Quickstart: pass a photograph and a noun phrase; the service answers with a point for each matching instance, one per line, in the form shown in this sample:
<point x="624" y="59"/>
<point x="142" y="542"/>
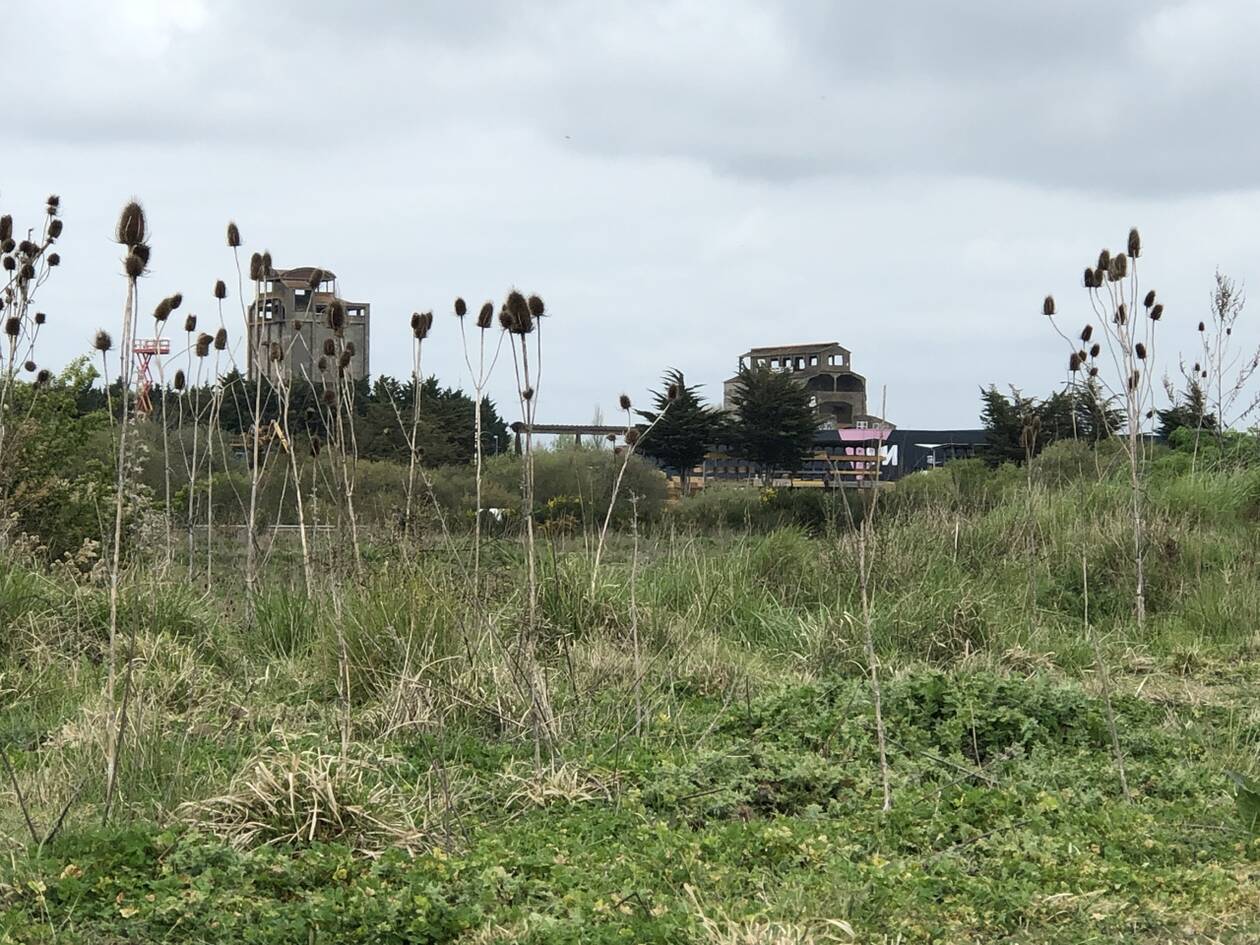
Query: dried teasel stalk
<point x="233" y="235"/>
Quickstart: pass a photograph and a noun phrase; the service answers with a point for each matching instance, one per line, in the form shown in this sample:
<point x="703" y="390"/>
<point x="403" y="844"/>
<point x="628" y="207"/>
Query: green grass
<point x="721" y="784"/>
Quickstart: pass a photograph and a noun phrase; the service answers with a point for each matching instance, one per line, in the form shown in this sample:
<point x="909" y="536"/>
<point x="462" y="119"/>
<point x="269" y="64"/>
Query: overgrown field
<point x="365" y="766"/>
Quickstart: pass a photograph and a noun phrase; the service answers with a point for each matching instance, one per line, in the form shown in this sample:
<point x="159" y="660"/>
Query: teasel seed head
<point x="1100" y="276"/>
<point x="190" y="324"/>
<point x="180" y="381"/>
<point x="220" y="339"/>
<point x="1150" y="299"/>
<point x="343" y="362"/>
<point x="220" y="289"/>
<point x="521" y="320"/>
<point x="1104" y="260"/>
<point x="1140" y="350"/>
<point x="1204" y="375"/>
<point x="1134" y="378"/>
<point x="7" y="245"/>
<point x="102" y="342"/>
<point x="276" y="353"/>
<point x="485" y="318"/>
<point x="461" y="309"/>
<point x="1197" y="369"/>
<point x="1157" y="312"/>
<point x="54" y="260"/>
<point x="1095" y="350"/>
<point x="350" y="349"/>
<point x="30" y="367"/>
<point x="132" y="228"/>
<point x="6" y="227"/>
<point x="55" y="228"/>
<point x="43" y="377"/>
<point x="330" y="347"/>
<point x="40" y="318"/>
<point x="415" y="320"/>
<point x="611" y="438"/>
<point x="527" y="394"/>
<point x="322" y="364"/>
<point x="163" y="310"/>
<point x="624" y="401"/>
<point x="233" y="235"/>
<point x="1149" y="414"/>
<point x="536" y="306"/>
<point x="10" y="263"/>
<point x="256" y="273"/>
<point x="1122" y="314"/>
<point x="1202" y="326"/>
<point x="1087" y="332"/>
<point x="1047" y="307"/>
<point x="134" y="265"/>
<point x="1083" y="355"/>
<point x="1119" y="267"/>
<point x="27" y="272"/>
<point x="1229" y="330"/>
<point x="1135" y="243"/>
<point x="202" y="348"/>
<point x="27" y="248"/>
<point x="53" y="201"/>
<point x="1093" y="372"/>
<point x="316" y="445"/>
<point x="315" y="278"/>
<point x="336" y="316"/>
<point x="13" y="326"/>
<point x="266" y="261"/>
<point x="632" y="436"/>
<point x="1074" y="362"/>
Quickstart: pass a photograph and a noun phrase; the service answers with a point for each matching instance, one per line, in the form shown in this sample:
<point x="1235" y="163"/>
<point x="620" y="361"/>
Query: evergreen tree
<point x="1004" y="419"/>
<point x="682" y="436"/>
<point x="774" y="421"/>
<point x="1189" y="411"/>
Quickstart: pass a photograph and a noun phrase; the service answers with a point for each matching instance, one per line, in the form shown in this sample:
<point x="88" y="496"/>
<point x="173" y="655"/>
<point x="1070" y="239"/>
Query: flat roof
<point x="794" y="349"/>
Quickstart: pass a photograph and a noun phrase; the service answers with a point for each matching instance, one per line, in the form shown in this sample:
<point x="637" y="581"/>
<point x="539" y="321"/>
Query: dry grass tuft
<point x="300" y="796"/>
<point x="562" y="784"/>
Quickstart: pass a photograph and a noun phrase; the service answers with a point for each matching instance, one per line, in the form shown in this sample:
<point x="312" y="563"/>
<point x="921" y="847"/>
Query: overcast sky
<point x="680" y="180"/>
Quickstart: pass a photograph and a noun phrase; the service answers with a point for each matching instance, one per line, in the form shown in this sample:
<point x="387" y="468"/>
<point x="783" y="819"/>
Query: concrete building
<point x="839" y="393"/>
<point x="291" y="311"/>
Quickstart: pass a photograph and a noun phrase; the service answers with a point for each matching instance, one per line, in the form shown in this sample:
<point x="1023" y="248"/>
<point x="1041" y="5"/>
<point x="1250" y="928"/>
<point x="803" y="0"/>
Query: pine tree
<point x="1190" y="412"/>
<point x="684" y="433"/>
<point x="774" y="421"/>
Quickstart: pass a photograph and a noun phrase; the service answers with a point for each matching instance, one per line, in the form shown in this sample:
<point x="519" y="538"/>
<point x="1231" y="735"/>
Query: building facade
<point x="291" y="314"/>
<point x="838" y="392"/>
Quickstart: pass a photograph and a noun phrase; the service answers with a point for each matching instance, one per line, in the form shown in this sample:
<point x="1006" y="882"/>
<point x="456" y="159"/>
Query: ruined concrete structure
<point x="839" y="393"/>
<point x="291" y="312"/>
